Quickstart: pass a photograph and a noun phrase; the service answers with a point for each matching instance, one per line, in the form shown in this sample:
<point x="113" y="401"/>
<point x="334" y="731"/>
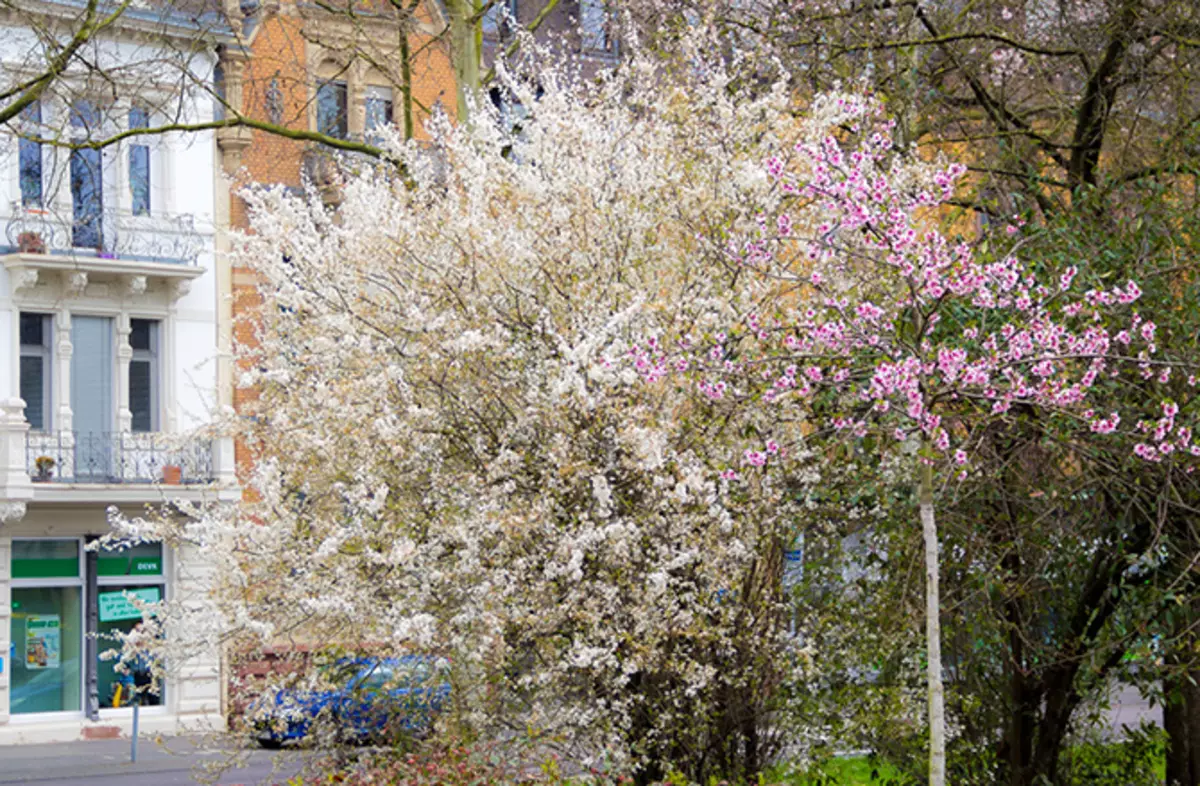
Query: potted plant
<point x="45" y="466"/>
<point x="172" y="474"/>
<point x="31" y="243"/>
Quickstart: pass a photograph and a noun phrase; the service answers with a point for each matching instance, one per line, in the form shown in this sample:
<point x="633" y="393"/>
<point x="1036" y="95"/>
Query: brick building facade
<point x="303" y="69"/>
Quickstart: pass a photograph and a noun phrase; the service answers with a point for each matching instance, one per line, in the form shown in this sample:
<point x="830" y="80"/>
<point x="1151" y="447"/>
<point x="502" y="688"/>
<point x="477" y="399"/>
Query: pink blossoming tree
<point x="900" y="335"/>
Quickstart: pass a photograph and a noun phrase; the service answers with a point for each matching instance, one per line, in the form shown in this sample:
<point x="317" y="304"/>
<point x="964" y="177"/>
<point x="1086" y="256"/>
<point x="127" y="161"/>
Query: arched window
<point x="331" y="101"/>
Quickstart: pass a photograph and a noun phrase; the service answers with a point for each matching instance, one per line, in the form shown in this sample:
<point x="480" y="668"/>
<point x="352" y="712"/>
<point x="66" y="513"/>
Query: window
<point x="331" y="109"/>
<point x="35" y="369"/>
<point x="595" y="26"/>
<point x="87" y="184"/>
<point x="218" y="87"/>
<point x="49" y="625"/>
<point x="139" y="165"/>
<point x="379" y="110"/>
<point x="92" y="398"/>
<point x="122" y="575"/>
<point x="30" y="155"/>
<point x="143" y="374"/>
<point x="46" y="626"/>
<point x="498" y="19"/>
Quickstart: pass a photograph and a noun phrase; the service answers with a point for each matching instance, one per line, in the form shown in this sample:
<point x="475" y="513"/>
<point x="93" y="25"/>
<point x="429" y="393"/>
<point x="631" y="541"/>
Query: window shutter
<point x="91" y="374"/>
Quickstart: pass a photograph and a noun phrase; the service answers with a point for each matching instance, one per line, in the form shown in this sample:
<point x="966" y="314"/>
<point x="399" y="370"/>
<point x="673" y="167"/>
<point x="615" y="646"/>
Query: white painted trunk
<point x="933" y="634"/>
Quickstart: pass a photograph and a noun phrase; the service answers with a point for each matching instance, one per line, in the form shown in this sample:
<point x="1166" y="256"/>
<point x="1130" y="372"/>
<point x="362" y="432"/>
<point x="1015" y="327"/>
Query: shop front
<point x="70" y="605"/>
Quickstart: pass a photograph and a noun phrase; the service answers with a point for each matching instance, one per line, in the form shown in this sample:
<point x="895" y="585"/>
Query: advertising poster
<point x="116" y="606"/>
<point x="43" y="641"/>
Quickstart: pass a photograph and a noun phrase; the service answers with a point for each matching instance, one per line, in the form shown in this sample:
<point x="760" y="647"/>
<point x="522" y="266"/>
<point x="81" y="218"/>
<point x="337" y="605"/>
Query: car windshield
<point x="340" y="674"/>
<point x="393" y="675"/>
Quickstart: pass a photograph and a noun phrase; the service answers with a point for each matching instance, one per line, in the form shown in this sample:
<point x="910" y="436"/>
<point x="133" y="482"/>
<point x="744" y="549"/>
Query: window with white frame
<point x="30" y="155"/>
<point x="379" y="109"/>
<point x="87" y="178"/>
<point x="144" y="374"/>
<point x="36" y="332"/>
<point x="332" y="117"/>
<point x="139" y="164"/>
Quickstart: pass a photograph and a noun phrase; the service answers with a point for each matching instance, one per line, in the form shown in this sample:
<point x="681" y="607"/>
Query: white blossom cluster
<point x="452" y="453"/>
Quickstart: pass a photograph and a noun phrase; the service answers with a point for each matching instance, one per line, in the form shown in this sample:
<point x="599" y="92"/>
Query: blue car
<point x="368" y="699"/>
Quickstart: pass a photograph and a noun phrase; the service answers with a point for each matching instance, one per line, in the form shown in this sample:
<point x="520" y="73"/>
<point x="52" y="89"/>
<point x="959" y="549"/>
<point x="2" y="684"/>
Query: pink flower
<point x="960" y="457"/>
<point x="1146" y="452"/>
<point x="755" y="458"/>
<point x="1132" y="292"/>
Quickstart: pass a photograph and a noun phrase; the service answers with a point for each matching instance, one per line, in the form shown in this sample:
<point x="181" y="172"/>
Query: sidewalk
<point x="84" y="761"/>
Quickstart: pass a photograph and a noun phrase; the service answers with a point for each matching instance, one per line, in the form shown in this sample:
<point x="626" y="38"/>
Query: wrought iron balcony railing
<point x="108" y="234"/>
<point x="91" y="457"/>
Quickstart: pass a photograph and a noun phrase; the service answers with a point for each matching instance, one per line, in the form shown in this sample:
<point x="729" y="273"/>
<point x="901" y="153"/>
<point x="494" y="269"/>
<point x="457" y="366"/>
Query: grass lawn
<point x="849" y="771"/>
<point x="1085" y="765"/>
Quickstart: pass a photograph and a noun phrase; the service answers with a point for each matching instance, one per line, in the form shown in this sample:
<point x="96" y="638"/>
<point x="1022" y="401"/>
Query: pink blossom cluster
<point x="881" y="340"/>
<point x="650" y="361"/>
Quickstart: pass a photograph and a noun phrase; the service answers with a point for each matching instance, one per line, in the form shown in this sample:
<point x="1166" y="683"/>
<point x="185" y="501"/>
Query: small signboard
<point x="115" y="606"/>
<point x="43" y="641"/>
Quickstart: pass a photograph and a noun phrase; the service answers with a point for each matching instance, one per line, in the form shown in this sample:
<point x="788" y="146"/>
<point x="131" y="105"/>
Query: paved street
<point x="183" y="761"/>
<point x="174" y="762"/>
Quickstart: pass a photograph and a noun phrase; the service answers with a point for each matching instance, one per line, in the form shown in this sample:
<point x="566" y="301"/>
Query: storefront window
<point x="125" y="577"/>
<point x="46" y="627"/>
<point x="119" y="616"/>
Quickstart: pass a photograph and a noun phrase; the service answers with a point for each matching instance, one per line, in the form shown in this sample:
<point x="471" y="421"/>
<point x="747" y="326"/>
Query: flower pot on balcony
<point x="45" y="469"/>
<point x="31" y="243"/>
<point x="172" y="474"/>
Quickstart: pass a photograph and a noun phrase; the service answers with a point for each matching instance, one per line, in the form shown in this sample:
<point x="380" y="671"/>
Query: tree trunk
<point x="933" y="632"/>
<point x="464" y="43"/>
<point x="1024" y="699"/>
<point x="1181" y="720"/>
<point x="1061" y="701"/>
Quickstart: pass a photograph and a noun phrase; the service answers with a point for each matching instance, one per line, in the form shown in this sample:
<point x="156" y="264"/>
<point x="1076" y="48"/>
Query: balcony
<point x="108" y="458"/>
<point x="107" y="469"/>
<point x="136" y="253"/>
<point x="109" y="234"/>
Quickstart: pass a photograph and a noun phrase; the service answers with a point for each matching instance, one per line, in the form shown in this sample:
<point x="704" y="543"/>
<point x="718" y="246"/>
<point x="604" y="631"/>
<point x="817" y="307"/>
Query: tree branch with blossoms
<point x="908" y="336"/>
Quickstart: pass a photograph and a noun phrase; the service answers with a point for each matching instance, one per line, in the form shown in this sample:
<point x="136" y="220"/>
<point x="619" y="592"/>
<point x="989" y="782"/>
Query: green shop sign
<point x="116" y="606"/>
<point x="129" y="565"/>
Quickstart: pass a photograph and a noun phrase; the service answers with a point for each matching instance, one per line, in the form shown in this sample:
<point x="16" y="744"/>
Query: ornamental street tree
<point x="903" y="336"/>
<point x="1079" y="118"/>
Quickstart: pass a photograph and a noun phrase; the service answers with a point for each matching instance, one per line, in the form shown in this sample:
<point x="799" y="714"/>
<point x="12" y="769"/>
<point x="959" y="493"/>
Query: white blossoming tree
<point x="455" y="455"/>
<point x="470" y="443"/>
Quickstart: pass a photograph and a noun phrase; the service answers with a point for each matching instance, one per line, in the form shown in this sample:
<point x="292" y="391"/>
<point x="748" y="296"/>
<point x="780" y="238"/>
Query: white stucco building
<point x="113" y="341"/>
